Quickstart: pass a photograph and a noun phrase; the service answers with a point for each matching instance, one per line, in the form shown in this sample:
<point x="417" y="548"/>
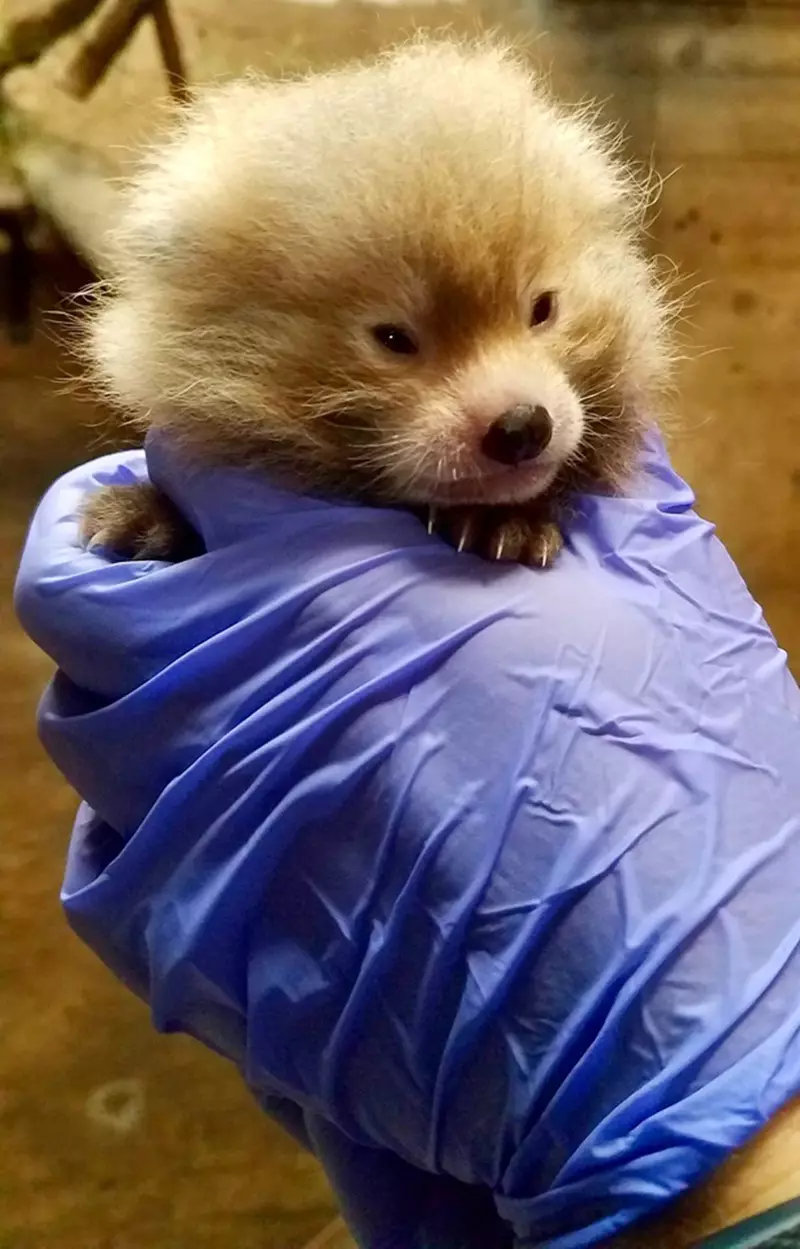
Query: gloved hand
<point x="483" y="877"/>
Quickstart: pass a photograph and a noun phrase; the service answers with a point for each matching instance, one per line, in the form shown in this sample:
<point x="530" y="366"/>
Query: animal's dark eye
<point x="543" y="308"/>
<point x="395" y="339"/>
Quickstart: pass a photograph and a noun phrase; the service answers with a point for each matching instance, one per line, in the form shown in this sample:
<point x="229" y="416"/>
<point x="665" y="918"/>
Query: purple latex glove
<point x="486" y="877"/>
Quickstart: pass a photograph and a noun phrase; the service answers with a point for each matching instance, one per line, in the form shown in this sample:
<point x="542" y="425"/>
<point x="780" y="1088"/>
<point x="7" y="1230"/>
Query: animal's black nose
<point x="520" y="434"/>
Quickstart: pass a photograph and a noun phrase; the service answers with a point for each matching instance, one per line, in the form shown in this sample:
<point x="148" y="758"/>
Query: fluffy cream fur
<point x="439" y="188"/>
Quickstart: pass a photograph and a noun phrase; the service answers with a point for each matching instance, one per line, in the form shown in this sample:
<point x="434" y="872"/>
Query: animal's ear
<point x="155" y="206"/>
<point x="591" y="151"/>
<point x="183" y="183"/>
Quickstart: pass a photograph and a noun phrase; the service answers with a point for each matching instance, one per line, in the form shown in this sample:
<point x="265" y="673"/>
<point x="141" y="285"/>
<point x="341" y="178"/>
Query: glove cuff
<point x="778" y="1228"/>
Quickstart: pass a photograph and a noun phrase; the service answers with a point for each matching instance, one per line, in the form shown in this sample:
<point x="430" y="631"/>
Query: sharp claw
<point x="431" y="525"/>
<point x="498" y="546"/>
<point x="466" y="534"/>
<point x="544" y="554"/>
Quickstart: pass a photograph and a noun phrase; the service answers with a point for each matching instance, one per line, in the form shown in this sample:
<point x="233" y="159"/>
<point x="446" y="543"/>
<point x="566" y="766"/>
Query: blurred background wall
<point x="111" y="1137"/>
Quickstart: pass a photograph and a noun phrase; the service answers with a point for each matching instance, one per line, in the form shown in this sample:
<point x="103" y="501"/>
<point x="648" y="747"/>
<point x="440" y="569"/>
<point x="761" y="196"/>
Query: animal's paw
<point x="499" y="534"/>
<point x="139" y="522"/>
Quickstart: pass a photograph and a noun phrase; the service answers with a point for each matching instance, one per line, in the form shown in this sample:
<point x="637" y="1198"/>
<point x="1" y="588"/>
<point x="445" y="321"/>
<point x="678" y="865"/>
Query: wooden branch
<point x="69" y="184"/>
<point x="18" y="293"/>
<point x="117" y="22"/>
<point x="170" y="48"/>
<point x="24" y="40"/>
<point x="13" y="198"/>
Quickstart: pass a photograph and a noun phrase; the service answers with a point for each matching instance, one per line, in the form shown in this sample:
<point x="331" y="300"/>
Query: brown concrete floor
<point x="715" y="91"/>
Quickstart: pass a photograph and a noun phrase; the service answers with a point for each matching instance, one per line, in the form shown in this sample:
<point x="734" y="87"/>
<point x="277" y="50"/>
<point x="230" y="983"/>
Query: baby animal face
<point x="418" y="280"/>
